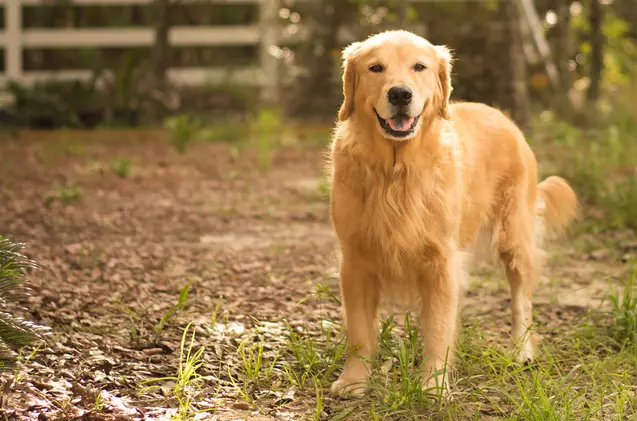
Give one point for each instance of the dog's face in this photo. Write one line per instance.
(398, 79)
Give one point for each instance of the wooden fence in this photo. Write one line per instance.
(265, 32)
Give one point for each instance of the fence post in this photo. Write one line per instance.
(268, 12)
(13, 47)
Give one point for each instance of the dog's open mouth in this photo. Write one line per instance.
(398, 126)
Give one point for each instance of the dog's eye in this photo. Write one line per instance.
(419, 67)
(376, 68)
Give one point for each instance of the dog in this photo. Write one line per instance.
(417, 184)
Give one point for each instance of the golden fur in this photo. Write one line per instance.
(407, 208)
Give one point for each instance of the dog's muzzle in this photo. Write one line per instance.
(401, 125)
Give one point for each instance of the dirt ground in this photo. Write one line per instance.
(115, 253)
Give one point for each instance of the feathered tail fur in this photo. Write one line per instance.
(556, 205)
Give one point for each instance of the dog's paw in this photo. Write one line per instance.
(524, 357)
(343, 387)
(525, 354)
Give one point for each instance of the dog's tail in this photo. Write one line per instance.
(556, 204)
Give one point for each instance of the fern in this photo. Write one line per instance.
(15, 332)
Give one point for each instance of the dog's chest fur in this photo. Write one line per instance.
(405, 213)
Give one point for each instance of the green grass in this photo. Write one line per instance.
(624, 314)
(585, 369)
(600, 162)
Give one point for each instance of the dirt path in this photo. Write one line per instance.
(116, 251)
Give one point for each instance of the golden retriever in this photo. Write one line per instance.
(416, 181)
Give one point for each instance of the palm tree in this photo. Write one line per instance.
(15, 332)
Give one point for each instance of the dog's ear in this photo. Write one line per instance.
(349, 81)
(444, 79)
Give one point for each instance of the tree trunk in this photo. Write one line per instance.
(527, 11)
(517, 60)
(595, 18)
(318, 92)
(562, 53)
(160, 55)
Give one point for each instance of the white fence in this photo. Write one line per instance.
(266, 33)
(15, 39)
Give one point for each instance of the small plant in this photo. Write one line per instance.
(624, 314)
(99, 402)
(133, 317)
(65, 194)
(316, 356)
(24, 360)
(253, 361)
(182, 130)
(171, 313)
(266, 132)
(121, 167)
(187, 376)
(215, 313)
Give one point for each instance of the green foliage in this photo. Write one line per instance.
(65, 194)
(600, 162)
(15, 332)
(620, 49)
(265, 132)
(182, 130)
(121, 167)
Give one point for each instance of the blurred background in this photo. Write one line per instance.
(267, 73)
(89, 63)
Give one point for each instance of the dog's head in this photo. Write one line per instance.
(398, 79)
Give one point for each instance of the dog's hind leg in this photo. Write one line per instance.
(518, 271)
(519, 254)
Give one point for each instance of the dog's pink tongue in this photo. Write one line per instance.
(400, 124)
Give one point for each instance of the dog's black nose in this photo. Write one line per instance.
(399, 95)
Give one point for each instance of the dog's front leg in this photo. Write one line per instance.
(440, 293)
(359, 286)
